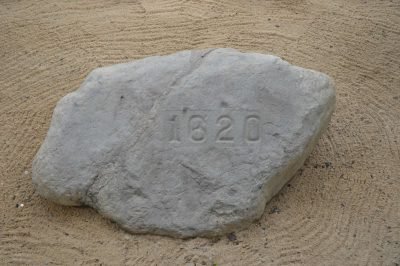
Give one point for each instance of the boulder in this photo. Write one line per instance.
(189, 144)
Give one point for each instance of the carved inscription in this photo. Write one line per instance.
(197, 128)
(238, 127)
(225, 132)
(174, 125)
(252, 128)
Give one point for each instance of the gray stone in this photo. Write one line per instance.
(190, 144)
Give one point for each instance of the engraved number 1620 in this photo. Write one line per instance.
(198, 129)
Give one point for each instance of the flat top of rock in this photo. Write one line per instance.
(193, 143)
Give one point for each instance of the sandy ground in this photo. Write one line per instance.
(341, 208)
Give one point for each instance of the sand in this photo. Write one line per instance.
(341, 208)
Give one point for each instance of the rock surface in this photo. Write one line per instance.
(190, 144)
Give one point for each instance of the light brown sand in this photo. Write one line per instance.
(345, 214)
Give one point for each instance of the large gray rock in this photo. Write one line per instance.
(193, 143)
